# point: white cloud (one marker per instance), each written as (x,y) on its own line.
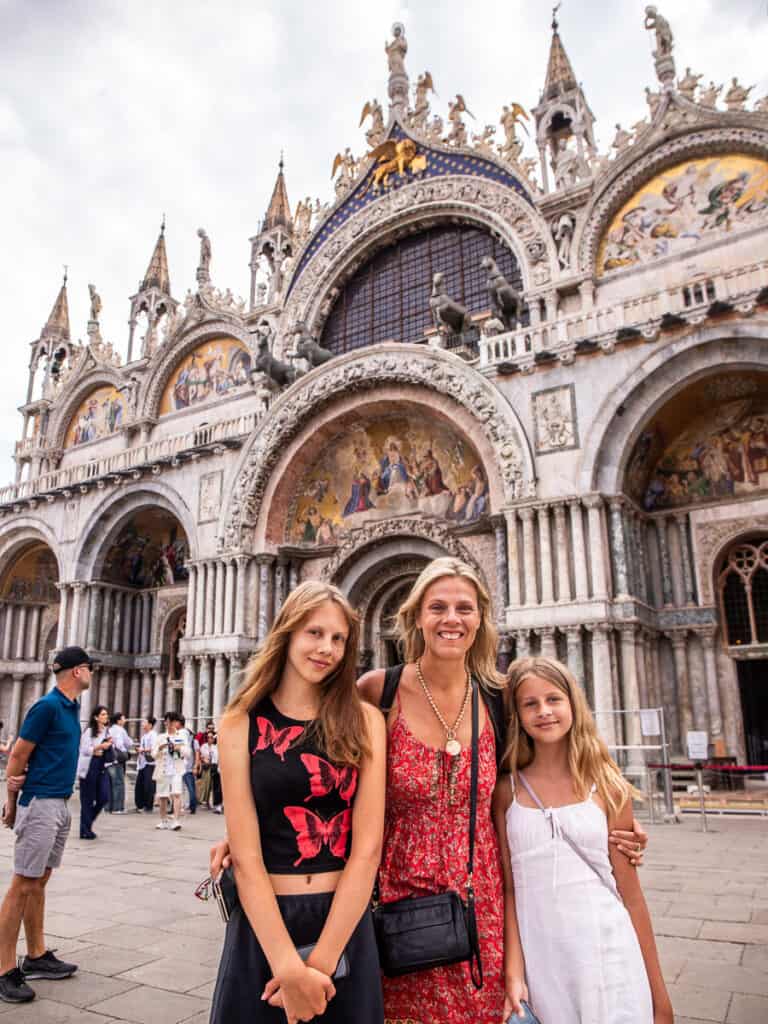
(112,114)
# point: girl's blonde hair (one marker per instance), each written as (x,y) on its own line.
(588,758)
(340,728)
(481,659)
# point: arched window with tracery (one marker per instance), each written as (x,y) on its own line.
(743,592)
(387,299)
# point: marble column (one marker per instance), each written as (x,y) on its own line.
(14,712)
(681,519)
(119,702)
(191,598)
(642,559)
(523,643)
(137,612)
(660,522)
(561,541)
(127,603)
(642,682)
(204,688)
(602,674)
(548,643)
(61,631)
(188,693)
(680,653)
(21,633)
(8,631)
(134,694)
(513,557)
(263,618)
(200,600)
(105,687)
(575,653)
(158,697)
(293,575)
(107,620)
(146,622)
(219,685)
(619,549)
(229,596)
(499,532)
(651,679)
(713,691)
(630,692)
(594,505)
(210,597)
(145,705)
(75,637)
(234,679)
(218,625)
(529,556)
(240,597)
(545,550)
(580,577)
(38,689)
(33,631)
(503,660)
(277,596)
(94,617)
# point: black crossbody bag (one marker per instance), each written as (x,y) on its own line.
(421,932)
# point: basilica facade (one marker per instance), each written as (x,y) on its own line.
(555,370)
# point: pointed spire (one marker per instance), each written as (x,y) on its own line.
(57,325)
(560,74)
(157,275)
(279,210)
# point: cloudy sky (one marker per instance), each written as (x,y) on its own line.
(113,113)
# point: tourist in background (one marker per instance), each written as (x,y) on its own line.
(95,754)
(144,792)
(170,750)
(191,768)
(209,760)
(122,744)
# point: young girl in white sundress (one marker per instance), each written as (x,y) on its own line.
(579,945)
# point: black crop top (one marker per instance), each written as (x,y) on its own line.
(304,802)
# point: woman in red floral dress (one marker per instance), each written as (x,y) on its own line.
(448,635)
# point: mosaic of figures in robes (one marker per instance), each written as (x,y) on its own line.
(213,369)
(99,415)
(33,576)
(694,201)
(388,468)
(151,550)
(720,454)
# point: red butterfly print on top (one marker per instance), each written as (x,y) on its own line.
(325,777)
(278,739)
(313,832)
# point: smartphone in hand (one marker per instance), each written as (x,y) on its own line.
(529,1018)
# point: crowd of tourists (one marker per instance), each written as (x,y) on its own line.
(433,843)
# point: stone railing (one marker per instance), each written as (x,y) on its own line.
(689,302)
(144,455)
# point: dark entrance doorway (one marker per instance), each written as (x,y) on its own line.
(753,684)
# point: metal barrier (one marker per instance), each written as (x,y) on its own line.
(624,731)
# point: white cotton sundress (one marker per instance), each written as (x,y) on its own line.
(583,962)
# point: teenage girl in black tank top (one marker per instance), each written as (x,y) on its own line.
(303,764)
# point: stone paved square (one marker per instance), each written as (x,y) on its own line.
(123,909)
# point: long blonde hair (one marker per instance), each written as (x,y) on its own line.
(481,659)
(588,758)
(340,728)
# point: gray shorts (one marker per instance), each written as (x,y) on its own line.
(41,831)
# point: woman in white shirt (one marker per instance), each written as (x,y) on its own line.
(144,793)
(95,753)
(209,755)
(123,745)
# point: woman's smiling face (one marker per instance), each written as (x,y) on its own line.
(449,617)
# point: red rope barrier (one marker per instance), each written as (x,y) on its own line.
(714,767)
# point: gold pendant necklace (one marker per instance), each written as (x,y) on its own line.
(452,745)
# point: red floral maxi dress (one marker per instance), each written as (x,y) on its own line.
(426,846)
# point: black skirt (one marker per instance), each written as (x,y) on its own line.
(244,970)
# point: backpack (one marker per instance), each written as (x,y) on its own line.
(493,699)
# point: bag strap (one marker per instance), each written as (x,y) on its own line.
(494,702)
(576,849)
(392,678)
(475,960)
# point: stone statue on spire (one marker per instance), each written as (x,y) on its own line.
(204,267)
(396,50)
(665,42)
(95,304)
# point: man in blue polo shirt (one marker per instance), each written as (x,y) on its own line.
(44,759)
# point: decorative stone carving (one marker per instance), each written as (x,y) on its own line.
(204,266)
(737,95)
(457,134)
(554,419)
(723,389)
(562,232)
(622,139)
(708,96)
(346,166)
(410,526)
(375,133)
(483,141)
(511,116)
(664,61)
(505,299)
(653,99)
(401,365)
(420,114)
(711,537)
(209,497)
(688,84)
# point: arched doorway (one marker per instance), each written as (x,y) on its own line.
(742,590)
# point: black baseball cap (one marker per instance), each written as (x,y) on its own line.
(71,657)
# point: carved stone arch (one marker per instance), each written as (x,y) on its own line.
(368,370)
(724,134)
(712,541)
(390,567)
(21,532)
(629,406)
(167,360)
(102,527)
(474,201)
(168,609)
(77,391)
(562,107)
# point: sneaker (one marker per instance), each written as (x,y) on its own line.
(163,823)
(13,988)
(47,966)
(176,825)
